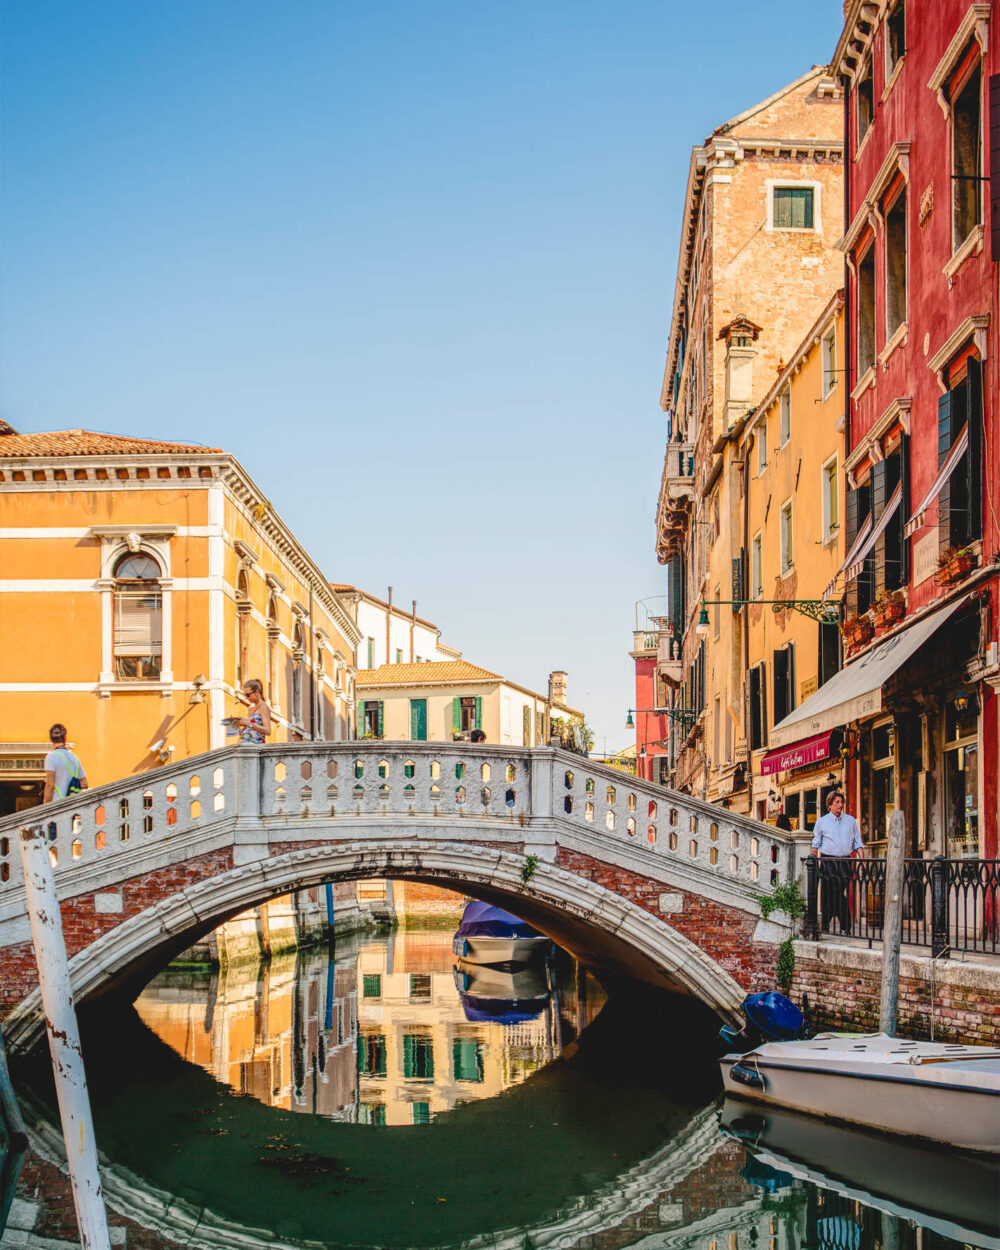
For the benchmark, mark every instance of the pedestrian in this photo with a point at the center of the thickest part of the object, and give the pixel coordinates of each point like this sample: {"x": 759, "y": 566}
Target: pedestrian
{"x": 256, "y": 725}
{"x": 477, "y": 735}
{"x": 64, "y": 773}
{"x": 836, "y": 836}
{"x": 783, "y": 822}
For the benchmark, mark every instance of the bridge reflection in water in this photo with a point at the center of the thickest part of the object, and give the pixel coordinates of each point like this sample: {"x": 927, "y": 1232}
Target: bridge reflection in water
{"x": 385, "y": 1030}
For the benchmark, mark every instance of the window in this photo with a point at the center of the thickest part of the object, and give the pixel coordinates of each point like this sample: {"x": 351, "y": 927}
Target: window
{"x": 716, "y": 615}
{"x": 866, "y": 312}
{"x": 243, "y": 610}
{"x": 371, "y": 1054}
{"x": 787, "y": 550}
{"x": 756, "y": 568}
{"x": 861, "y": 589}
{"x": 829, "y": 652}
{"x": 371, "y": 985}
{"x": 895, "y": 265}
{"x": 371, "y": 653}
{"x": 371, "y": 718}
{"x": 831, "y": 499}
{"x": 792, "y": 208}
{"x": 418, "y": 1057}
{"x": 758, "y": 708}
{"x": 372, "y": 1113}
{"x": 717, "y": 731}
{"x": 895, "y": 37}
{"x": 783, "y": 672}
{"x": 761, "y": 446}
{"x": 467, "y": 714}
{"x": 273, "y": 633}
{"x": 399, "y": 655}
{"x": 467, "y": 1060}
{"x": 298, "y": 655}
{"x": 420, "y": 1113}
{"x": 138, "y": 619}
{"x": 785, "y": 426}
{"x": 865, "y": 102}
{"x": 829, "y": 362}
{"x": 960, "y": 500}
{"x": 420, "y": 986}
{"x": 890, "y": 550}
{"x": 967, "y": 157}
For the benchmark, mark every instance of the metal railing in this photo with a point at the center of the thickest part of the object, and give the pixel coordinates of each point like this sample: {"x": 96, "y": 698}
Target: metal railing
{"x": 948, "y": 904}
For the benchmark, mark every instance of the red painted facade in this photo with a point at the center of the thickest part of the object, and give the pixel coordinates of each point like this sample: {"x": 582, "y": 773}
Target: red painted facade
{"x": 651, "y": 731}
{"x": 925, "y": 341}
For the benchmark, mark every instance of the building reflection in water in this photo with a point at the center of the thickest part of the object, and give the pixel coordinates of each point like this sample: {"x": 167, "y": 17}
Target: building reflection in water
{"x": 386, "y": 1030}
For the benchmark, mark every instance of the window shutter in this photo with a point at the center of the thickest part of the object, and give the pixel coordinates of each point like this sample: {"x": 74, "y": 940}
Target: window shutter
{"x": 974, "y": 455}
{"x": 379, "y": 722}
{"x": 944, "y": 446}
{"x": 479, "y": 712}
{"x": 138, "y": 623}
{"x": 780, "y": 683}
{"x": 902, "y": 543}
{"x": 790, "y": 700}
{"x": 456, "y": 715}
{"x": 739, "y": 580}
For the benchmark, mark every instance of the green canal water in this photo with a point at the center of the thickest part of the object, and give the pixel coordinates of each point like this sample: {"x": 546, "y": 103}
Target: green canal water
{"x": 379, "y": 1095}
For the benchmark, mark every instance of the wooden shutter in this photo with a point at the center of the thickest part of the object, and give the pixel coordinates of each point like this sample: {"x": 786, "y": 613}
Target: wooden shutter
{"x": 944, "y": 446}
{"x": 456, "y": 715}
{"x": 974, "y": 454}
{"x": 479, "y": 712}
{"x": 754, "y": 709}
{"x": 739, "y": 580}
{"x": 899, "y": 520}
{"x": 790, "y": 700}
{"x": 994, "y": 148}
{"x": 380, "y": 723}
{"x": 138, "y": 623}
{"x": 780, "y": 684}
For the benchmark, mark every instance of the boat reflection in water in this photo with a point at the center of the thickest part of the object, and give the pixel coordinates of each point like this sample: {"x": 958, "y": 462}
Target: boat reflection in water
{"x": 386, "y": 1032}
{"x": 865, "y": 1187}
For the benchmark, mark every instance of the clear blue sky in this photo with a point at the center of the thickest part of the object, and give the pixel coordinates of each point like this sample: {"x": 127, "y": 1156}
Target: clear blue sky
{"x": 412, "y": 263}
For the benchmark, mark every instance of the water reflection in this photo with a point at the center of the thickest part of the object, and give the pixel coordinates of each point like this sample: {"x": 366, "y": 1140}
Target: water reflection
{"x": 387, "y": 1030}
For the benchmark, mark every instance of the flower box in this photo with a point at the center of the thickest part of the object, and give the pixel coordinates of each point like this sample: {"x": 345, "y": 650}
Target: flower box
{"x": 889, "y": 611}
{"x": 859, "y": 629}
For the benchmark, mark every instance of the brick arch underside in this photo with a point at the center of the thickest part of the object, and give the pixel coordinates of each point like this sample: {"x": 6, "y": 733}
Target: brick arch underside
{"x": 605, "y": 930}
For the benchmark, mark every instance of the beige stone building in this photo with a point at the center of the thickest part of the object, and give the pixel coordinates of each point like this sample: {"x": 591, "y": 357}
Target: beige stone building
{"x": 757, "y": 265}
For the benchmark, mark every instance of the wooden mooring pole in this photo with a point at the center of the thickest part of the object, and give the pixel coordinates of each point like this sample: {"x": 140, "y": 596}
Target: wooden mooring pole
{"x": 892, "y": 923}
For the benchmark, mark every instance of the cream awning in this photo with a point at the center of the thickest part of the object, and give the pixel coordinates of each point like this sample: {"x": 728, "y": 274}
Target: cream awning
{"x": 895, "y": 499}
{"x": 944, "y": 473}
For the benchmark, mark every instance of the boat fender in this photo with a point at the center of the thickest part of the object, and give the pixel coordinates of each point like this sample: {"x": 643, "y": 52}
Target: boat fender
{"x": 743, "y": 1075}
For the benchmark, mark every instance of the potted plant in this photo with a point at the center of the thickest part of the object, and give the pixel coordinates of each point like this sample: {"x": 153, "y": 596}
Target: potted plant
{"x": 858, "y": 629}
{"x": 889, "y": 608}
{"x": 955, "y": 564}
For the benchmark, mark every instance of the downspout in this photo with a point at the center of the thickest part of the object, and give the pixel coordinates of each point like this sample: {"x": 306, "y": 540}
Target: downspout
{"x": 850, "y": 767}
{"x": 745, "y": 470}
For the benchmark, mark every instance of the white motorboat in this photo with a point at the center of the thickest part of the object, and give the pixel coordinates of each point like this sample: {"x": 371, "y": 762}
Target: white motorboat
{"x": 935, "y": 1091}
{"x": 490, "y": 935}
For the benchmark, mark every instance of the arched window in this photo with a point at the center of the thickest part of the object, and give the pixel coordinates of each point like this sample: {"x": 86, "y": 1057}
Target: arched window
{"x": 243, "y": 608}
{"x": 298, "y": 655}
{"x": 320, "y": 697}
{"x": 272, "y": 652}
{"x": 138, "y": 618}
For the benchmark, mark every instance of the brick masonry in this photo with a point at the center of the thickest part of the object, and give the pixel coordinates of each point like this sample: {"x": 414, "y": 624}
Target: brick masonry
{"x": 844, "y": 988}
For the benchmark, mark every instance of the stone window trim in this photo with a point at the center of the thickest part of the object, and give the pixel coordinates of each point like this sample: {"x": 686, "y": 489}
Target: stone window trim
{"x": 122, "y": 540}
{"x": 972, "y": 246}
{"x": 892, "y": 77}
{"x": 872, "y": 446}
{"x": 897, "y": 160}
{"x": 975, "y": 25}
{"x": 972, "y": 327}
{"x": 831, "y": 532}
{"x": 796, "y": 184}
{"x": 786, "y": 542}
{"x": 898, "y": 340}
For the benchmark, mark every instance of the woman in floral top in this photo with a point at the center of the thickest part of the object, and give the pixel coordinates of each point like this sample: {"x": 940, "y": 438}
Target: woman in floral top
{"x": 256, "y": 725}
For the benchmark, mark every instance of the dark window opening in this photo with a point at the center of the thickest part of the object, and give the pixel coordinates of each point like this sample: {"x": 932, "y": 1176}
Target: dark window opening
{"x": 866, "y": 101}
{"x": 866, "y": 312}
{"x": 967, "y": 158}
{"x": 784, "y": 682}
{"x": 829, "y": 652}
{"x": 758, "y": 708}
{"x": 895, "y": 265}
{"x": 960, "y": 501}
{"x": 895, "y": 36}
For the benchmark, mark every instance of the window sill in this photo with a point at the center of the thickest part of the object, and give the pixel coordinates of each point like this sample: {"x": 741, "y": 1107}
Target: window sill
{"x": 897, "y": 340}
{"x": 864, "y": 140}
{"x": 789, "y": 572}
{"x": 867, "y": 379}
{"x": 972, "y": 246}
{"x": 832, "y": 538}
{"x": 108, "y": 686}
{"x": 890, "y": 82}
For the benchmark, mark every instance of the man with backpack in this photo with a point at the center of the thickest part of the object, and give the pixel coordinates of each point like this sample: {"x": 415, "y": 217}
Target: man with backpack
{"x": 64, "y": 773}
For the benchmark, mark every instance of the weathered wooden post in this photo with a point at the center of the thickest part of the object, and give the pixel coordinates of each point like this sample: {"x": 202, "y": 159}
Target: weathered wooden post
{"x": 892, "y": 924}
{"x": 64, "y": 1039}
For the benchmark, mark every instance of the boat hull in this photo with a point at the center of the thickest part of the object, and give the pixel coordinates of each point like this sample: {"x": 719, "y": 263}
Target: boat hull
{"x": 966, "y": 1119}
{"x": 500, "y": 950}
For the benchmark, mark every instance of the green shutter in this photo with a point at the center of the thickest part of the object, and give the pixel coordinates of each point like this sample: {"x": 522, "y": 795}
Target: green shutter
{"x": 479, "y": 712}
{"x": 381, "y": 709}
{"x": 456, "y": 715}
{"x": 371, "y": 652}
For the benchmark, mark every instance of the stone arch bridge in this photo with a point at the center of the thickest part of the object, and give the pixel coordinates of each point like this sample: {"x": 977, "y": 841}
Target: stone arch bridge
{"x": 628, "y": 876}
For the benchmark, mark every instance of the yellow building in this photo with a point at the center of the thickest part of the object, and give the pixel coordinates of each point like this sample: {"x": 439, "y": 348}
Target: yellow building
{"x": 440, "y": 701}
{"x": 792, "y": 452}
{"x": 140, "y": 584}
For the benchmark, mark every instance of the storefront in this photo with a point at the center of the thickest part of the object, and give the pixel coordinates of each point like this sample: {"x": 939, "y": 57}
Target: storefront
{"x": 22, "y": 775}
{"x": 801, "y": 776}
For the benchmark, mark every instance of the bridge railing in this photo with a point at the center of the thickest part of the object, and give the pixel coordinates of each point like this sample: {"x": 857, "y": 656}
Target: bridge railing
{"x": 530, "y": 792}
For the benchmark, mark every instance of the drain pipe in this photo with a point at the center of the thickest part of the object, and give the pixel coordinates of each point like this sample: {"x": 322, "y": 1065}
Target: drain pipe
{"x": 64, "y": 1039}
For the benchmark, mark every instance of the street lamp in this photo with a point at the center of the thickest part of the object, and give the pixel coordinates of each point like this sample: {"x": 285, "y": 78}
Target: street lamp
{"x": 816, "y": 609}
{"x": 701, "y": 629}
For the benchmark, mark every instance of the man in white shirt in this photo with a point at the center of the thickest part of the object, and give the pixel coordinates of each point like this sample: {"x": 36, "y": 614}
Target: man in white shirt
{"x": 836, "y": 836}
{"x": 63, "y": 771}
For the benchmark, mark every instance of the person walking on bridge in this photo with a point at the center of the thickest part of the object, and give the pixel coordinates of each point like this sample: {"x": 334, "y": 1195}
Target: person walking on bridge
{"x": 64, "y": 773}
{"x": 836, "y": 836}
{"x": 256, "y": 725}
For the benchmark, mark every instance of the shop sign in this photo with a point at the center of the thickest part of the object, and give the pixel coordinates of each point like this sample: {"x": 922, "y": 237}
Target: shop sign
{"x": 800, "y": 754}
{"x": 12, "y": 764}
{"x": 808, "y": 687}
{"x": 925, "y": 557}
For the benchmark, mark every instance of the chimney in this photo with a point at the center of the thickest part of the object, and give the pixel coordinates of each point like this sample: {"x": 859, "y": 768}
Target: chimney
{"x": 557, "y": 686}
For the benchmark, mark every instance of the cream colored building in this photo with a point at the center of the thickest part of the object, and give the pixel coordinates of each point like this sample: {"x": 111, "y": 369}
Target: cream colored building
{"x": 390, "y": 634}
{"x": 757, "y": 265}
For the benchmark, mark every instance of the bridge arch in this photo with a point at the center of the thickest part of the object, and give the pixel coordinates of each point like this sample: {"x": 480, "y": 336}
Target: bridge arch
{"x": 603, "y": 928}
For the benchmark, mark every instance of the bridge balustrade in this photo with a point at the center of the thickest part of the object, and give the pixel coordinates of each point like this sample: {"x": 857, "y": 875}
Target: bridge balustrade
{"x": 532, "y": 793}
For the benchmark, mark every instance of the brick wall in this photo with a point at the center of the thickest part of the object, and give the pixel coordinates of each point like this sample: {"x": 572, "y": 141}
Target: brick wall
{"x": 844, "y": 985}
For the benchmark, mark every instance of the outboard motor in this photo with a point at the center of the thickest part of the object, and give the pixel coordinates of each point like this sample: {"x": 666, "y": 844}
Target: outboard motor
{"x": 769, "y": 1017}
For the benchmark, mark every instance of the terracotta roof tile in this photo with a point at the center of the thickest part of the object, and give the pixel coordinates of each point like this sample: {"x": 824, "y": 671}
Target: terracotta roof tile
{"x": 431, "y": 673}
{"x": 90, "y": 443}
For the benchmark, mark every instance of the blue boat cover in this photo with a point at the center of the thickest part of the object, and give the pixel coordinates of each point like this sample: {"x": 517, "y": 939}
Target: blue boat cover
{"x": 484, "y": 920}
{"x": 774, "y": 1014}
{"x": 501, "y": 1010}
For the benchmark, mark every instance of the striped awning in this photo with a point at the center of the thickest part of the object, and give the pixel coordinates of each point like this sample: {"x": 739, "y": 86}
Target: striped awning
{"x": 856, "y": 565}
{"x": 958, "y": 449}
{"x": 859, "y": 542}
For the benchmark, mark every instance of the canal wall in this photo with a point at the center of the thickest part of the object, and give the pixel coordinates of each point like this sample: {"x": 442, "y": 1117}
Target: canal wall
{"x": 843, "y": 983}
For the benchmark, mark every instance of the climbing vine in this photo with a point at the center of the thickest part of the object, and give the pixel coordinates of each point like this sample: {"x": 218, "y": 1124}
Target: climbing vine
{"x": 785, "y": 897}
{"x": 786, "y": 965}
{"x": 528, "y": 868}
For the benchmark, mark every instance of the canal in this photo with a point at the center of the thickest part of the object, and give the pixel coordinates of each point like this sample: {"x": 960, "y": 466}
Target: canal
{"x": 376, "y": 1094}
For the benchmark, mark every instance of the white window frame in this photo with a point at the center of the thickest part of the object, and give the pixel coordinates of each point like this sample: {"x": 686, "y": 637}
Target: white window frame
{"x": 787, "y": 537}
{"x": 796, "y": 184}
{"x": 785, "y": 415}
{"x": 124, "y": 540}
{"x": 761, "y": 433}
{"x": 829, "y": 365}
{"x": 757, "y": 565}
{"x": 830, "y": 532}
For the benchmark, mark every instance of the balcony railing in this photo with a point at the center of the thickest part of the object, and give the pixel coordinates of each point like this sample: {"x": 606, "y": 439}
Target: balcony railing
{"x": 679, "y": 467}
{"x": 948, "y": 904}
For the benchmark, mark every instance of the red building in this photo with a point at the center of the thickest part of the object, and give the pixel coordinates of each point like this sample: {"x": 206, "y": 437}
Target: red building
{"x": 918, "y": 696}
{"x": 652, "y": 730}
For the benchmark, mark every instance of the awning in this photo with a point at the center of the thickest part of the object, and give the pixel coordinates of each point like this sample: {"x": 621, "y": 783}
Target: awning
{"x": 863, "y": 533}
{"x": 944, "y": 473}
{"x": 895, "y": 499}
{"x": 856, "y": 691}
{"x": 807, "y": 751}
